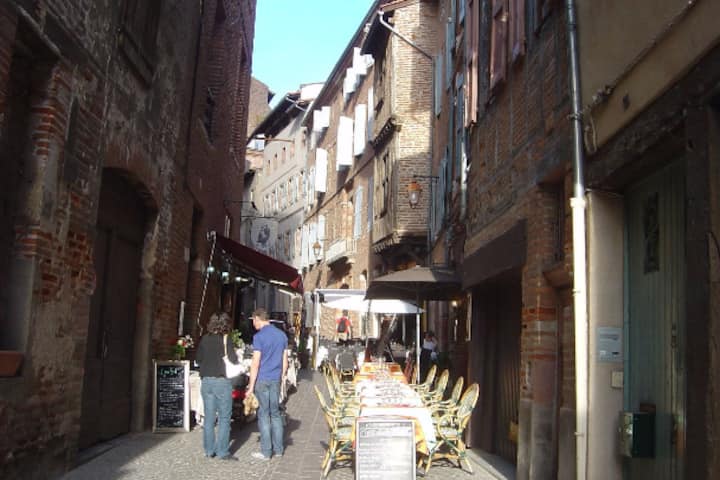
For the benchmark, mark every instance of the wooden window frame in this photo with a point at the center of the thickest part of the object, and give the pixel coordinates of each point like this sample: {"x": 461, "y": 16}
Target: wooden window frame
{"x": 498, "y": 43}
{"x": 138, "y": 35}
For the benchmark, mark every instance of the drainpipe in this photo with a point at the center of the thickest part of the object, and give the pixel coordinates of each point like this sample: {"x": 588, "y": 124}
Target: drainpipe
{"x": 577, "y": 204}
{"x": 405, "y": 39}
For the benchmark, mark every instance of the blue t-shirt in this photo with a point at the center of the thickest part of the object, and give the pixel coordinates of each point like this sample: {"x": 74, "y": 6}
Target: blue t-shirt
{"x": 271, "y": 342}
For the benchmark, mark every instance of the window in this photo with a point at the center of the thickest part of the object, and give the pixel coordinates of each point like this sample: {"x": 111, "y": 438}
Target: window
{"x": 382, "y": 192}
{"x": 539, "y": 10}
{"x": 357, "y": 226}
{"x": 498, "y": 43}
{"x": 228, "y": 225}
{"x": 209, "y": 114}
{"x": 138, "y": 35}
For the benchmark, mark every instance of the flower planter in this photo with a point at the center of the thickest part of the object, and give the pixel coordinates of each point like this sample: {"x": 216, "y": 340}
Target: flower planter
{"x": 10, "y": 362}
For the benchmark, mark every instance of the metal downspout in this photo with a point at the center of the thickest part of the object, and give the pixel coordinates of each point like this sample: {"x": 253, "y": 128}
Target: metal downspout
{"x": 579, "y": 226}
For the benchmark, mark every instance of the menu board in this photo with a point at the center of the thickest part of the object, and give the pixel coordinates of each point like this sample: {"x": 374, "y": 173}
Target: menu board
{"x": 384, "y": 449}
{"x": 171, "y": 396}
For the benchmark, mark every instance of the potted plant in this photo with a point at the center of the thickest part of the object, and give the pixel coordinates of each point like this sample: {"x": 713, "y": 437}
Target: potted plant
{"x": 179, "y": 348}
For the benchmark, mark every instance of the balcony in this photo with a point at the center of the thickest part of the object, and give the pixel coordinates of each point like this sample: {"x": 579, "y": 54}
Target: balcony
{"x": 343, "y": 249}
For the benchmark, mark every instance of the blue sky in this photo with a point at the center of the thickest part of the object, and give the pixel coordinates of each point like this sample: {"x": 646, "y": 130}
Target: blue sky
{"x": 299, "y": 41}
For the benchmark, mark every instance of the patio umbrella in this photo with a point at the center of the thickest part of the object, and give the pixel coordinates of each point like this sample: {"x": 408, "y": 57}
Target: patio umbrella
{"x": 358, "y": 304}
{"x": 418, "y": 283}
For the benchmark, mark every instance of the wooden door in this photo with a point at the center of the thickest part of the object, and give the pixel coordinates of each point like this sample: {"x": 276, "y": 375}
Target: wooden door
{"x": 106, "y": 403}
{"x": 655, "y": 318}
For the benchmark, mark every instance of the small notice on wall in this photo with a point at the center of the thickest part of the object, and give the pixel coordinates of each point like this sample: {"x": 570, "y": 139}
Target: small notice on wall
{"x": 384, "y": 449}
{"x": 609, "y": 344}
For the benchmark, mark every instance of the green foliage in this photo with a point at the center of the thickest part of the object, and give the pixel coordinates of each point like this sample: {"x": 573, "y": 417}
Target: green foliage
{"x": 236, "y": 337}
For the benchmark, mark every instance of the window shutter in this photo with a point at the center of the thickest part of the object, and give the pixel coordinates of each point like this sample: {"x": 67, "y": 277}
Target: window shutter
{"x": 344, "y": 147}
{"x": 304, "y": 247}
{"x": 370, "y": 112}
{"x": 321, "y": 164}
{"x": 498, "y": 44}
{"x": 370, "y": 201}
{"x": 517, "y": 36}
{"x": 357, "y": 228}
{"x": 359, "y": 133}
{"x": 310, "y": 199}
{"x": 437, "y": 101}
{"x": 321, "y": 234}
{"x": 312, "y": 238}
{"x": 472, "y": 26}
{"x": 449, "y": 42}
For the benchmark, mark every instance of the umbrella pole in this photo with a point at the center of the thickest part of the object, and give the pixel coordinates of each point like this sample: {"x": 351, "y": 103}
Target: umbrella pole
{"x": 417, "y": 340}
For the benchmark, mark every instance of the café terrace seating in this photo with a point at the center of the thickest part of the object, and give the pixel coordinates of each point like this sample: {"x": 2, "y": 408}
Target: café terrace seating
{"x": 449, "y": 429}
{"x": 442, "y": 407}
{"x": 340, "y": 440}
{"x": 439, "y": 422}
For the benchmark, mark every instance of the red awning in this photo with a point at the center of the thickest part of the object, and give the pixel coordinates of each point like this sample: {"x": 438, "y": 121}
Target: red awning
{"x": 260, "y": 265}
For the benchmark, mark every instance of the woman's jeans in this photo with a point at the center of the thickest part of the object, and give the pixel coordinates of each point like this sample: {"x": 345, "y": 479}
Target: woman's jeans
{"x": 269, "y": 418}
{"x": 217, "y": 399}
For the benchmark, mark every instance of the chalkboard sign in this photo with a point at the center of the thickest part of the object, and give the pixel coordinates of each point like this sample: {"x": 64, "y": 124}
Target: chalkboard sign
{"x": 171, "y": 396}
{"x": 384, "y": 449}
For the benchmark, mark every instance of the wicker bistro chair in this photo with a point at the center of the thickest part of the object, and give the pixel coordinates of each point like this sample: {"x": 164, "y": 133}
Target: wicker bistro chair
{"x": 340, "y": 396}
{"x": 437, "y": 395}
{"x": 441, "y": 407}
{"x": 449, "y": 430}
{"x": 340, "y": 441}
{"x": 425, "y": 386}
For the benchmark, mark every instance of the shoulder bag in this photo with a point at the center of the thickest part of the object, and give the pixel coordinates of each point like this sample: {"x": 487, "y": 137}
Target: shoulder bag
{"x": 232, "y": 370}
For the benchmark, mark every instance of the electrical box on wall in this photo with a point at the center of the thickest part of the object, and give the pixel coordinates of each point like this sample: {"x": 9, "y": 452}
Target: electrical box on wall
{"x": 637, "y": 434}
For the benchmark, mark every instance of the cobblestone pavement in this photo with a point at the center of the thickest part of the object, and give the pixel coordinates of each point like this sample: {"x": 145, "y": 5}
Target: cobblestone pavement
{"x": 174, "y": 456}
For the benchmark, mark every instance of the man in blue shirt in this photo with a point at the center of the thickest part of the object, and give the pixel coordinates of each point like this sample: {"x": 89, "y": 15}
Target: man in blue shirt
{"x": 268, "y": 369}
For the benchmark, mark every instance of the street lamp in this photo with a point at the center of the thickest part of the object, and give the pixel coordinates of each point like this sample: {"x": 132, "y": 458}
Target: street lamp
{"x": 414, "y": 192}
{"x": 317, "y": 248}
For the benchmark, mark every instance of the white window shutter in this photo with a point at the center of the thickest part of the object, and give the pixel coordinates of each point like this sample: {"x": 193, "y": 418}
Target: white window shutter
{"x": 359, "y": 133}
{"x": 357, "y": 228}
{"x": 321, "y": 164}
{"x": 317, "y": 120}
{"x": 370, "y": 112}
{"x": 321, "y": 234}
{"x": 351, "y": 80}
{"x": 359, "y": 64}
{"x": 344, "y": 147}
{"x": 325, "y": 116}
{"x": 304, "y": 247}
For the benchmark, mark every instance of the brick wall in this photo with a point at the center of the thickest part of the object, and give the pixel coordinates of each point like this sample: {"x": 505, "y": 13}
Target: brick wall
{"x": 86, "y": 90}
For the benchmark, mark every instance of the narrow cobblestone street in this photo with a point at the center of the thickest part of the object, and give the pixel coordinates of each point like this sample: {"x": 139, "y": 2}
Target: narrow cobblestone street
{"x": 179, "y": 455}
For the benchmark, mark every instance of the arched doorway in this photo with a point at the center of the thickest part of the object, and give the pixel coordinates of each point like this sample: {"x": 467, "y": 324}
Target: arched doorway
{"x": 107, "y": 388}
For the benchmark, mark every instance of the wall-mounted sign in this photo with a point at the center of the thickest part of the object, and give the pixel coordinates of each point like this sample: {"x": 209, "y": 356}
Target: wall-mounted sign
{"x": 609, "y": 344}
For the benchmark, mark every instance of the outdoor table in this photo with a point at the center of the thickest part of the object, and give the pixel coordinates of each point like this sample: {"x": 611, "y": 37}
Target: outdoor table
{"x": 394, "y": 399}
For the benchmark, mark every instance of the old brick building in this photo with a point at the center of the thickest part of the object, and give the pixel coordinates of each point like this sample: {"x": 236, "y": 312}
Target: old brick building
{"x": 122, "y": 130}
{"x": 336, "y": 234}
{"x": 502, "y": 169}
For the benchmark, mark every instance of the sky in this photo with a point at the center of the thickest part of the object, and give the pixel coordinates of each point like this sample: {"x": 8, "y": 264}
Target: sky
{"x": 299, "y": 41}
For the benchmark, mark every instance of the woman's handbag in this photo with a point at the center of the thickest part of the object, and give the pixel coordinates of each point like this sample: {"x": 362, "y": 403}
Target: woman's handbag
{"x": 232, "y": 370}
